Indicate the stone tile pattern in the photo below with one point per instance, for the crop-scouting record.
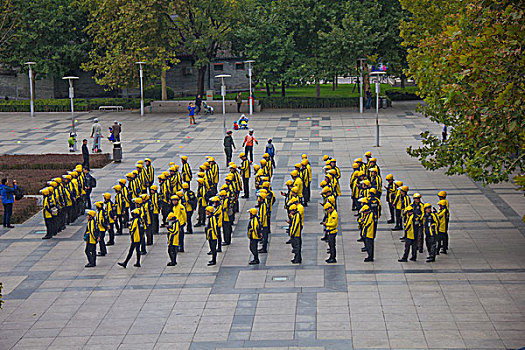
(471, 298)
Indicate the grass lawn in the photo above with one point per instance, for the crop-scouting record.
(343, 90)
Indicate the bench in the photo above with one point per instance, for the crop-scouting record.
(111, 108)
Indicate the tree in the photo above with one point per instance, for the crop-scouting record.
(467, 59)
(202, 28)
(8, 22)
(125, 32)
(48, 32)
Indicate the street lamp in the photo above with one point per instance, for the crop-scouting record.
(32, 106)
(361, 60)
(71, 97)
(378, 90)
(141, 89)
(223, 93)
(250, 100)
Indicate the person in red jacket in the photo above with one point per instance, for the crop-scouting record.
(248, 142)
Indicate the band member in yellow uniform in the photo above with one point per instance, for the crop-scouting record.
(211, 234)
(442, 215)
(430, 227)
(263, 217)
(135, 233)
(173, 238)
(112, 216)
(91, 238)
(186, 170)
(119, 209)
(254, 235)
(102, 226)
(331, 224)
(155, 208)
(410, 236)
(180, 214)
(295, 234)
(368, 231)
(391, 191)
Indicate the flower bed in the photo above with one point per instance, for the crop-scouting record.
(51, 161)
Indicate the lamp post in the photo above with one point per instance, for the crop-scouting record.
(378, 90)
(32, 105)
(141, 88)
(71, 97)
(223, 94)
(250, 100)
(361, 60)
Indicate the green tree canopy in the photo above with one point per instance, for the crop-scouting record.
(125, 32)
(48, 32)
(467, 58)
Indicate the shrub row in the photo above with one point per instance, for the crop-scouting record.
(308, 102)
(399, 95)
(64, 105)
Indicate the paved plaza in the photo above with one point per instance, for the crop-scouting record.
(471, 298)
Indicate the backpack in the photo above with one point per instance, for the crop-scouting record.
(19, 193)
(192, 200)
(93, 182)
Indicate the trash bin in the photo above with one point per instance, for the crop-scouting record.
(117, 152)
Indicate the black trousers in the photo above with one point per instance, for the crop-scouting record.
(202, 215)
(246, 186)
(155, 223)
(120, 227)
(165, 210)
(331, 245)
(149, 234)
(189, 225)
(68, 212)
(239, 107)
(111, 233)
(135, 246)
(249, 151)
(418, 232)
(91, 253)
(431, 246)
(228, 151)
(442, 241)
(410, 244)
(253, 249)
(369, 245)
(172, 253)
(398, 218)
(181, 238)
(227, 228)
(308, 193)
(88, 199)
(265, 238)
(102, 243)
(354, 203)
(219, 238)
(49, 226)
(143, 243)
(213, 249)
(126, 217)
(392, 210)
(296, 248)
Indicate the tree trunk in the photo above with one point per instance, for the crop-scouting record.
(200, 80)
(283, 89)
(317, 89)
(333, 83)
(273, 89)
(268, 92)
(164, 87)
(403, 80)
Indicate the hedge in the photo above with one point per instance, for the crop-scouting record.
(312, 102)
(308, 102)
(155, 92)
(396, 95)
(64, 105)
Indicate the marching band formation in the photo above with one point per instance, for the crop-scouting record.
(138, 203)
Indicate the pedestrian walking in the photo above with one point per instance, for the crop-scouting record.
(96, 135)
(85, 154)
(228, 145)
(198, 104)
(115, 131)
(191, 113)
(238, 100)
(7, 195)
(248, 144)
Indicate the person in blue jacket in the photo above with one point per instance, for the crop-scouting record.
(6, 194)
